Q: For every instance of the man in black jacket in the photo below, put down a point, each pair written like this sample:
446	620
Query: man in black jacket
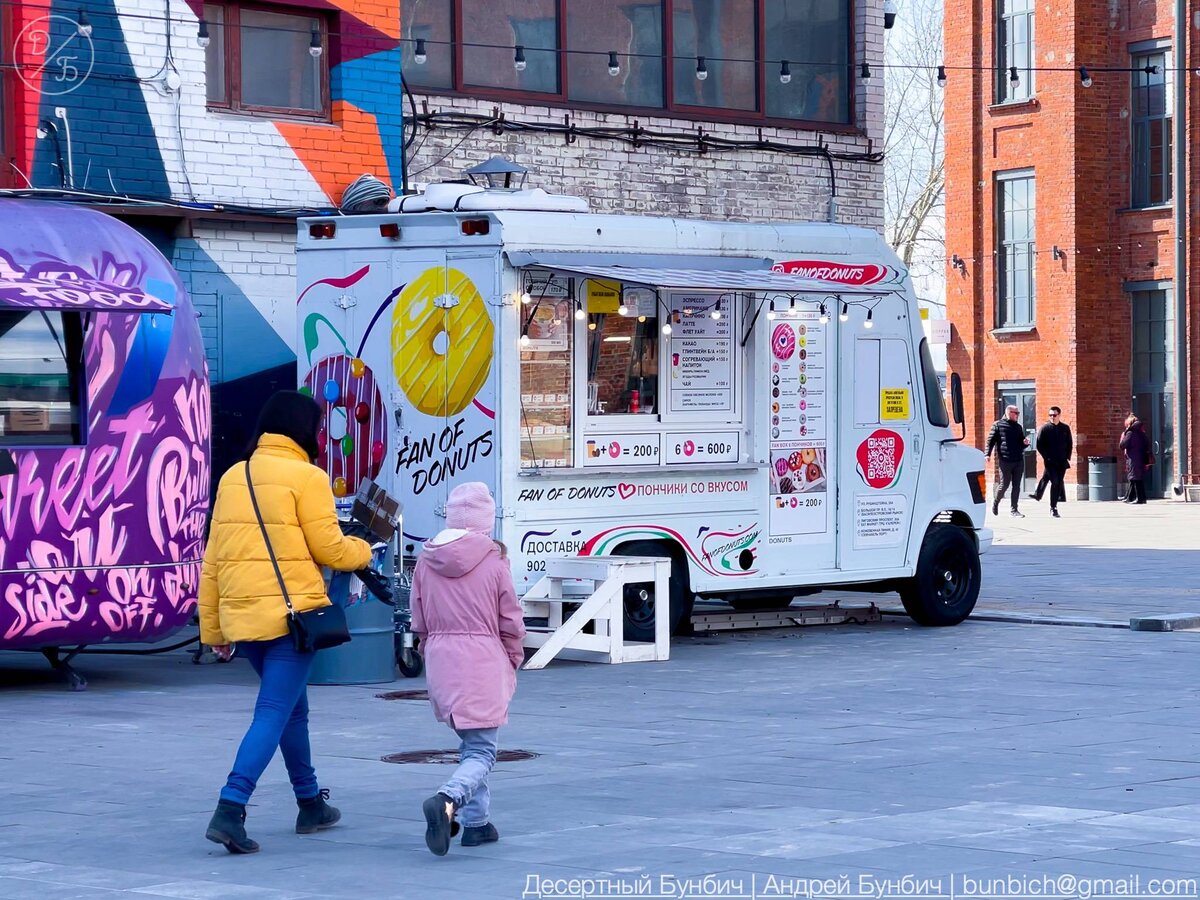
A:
1008	439
1054	445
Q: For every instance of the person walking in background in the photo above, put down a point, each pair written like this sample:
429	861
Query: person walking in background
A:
241	600
1054	445
466	614
1008	439
1137	459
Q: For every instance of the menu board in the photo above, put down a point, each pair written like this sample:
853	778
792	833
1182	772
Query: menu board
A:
799	424
701	354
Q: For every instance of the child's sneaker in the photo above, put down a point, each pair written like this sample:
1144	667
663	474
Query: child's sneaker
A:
474	835
439	821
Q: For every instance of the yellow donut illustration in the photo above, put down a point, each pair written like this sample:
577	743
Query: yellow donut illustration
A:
442	357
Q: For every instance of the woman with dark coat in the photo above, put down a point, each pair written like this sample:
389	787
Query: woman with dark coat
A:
1137	454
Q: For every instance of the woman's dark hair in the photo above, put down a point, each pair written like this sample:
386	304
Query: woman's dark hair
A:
293	415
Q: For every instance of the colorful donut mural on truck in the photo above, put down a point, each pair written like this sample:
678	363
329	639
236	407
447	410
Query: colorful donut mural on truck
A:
104	433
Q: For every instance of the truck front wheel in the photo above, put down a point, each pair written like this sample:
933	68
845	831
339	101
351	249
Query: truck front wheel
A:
946	585
640	602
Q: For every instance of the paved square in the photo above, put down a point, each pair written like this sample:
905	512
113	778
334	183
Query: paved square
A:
984	751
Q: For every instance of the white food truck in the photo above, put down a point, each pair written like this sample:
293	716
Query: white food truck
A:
754	401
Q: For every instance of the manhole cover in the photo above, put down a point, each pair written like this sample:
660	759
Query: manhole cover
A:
450	757
403	695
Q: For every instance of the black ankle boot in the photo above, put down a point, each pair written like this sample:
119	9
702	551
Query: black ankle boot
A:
316	814
228	827
474	835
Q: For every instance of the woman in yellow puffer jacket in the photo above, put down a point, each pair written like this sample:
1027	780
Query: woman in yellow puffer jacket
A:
241	602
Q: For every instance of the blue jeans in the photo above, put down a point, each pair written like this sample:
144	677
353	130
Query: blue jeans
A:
280	720
468	786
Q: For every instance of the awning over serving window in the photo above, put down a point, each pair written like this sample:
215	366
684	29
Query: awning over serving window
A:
565	260
715	280
47	289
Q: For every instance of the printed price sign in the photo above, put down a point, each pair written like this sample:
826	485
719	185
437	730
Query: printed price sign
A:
692	448
606	450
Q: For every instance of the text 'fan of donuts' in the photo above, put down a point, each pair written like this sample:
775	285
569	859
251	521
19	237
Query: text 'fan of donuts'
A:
442	356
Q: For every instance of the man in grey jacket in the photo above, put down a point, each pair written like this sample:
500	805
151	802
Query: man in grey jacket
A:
1008	439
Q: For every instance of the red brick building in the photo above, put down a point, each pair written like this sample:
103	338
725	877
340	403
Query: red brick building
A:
1060	211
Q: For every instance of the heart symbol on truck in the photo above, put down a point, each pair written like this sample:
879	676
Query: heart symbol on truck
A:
626	490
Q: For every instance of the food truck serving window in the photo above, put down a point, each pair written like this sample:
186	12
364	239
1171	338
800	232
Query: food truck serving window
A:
41	374
616	374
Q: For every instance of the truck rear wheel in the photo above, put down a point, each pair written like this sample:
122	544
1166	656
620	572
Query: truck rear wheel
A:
946	586
640	601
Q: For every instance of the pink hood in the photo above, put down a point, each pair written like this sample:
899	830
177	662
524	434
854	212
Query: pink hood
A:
457	556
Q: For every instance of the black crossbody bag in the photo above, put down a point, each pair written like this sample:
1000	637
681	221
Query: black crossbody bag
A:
316	629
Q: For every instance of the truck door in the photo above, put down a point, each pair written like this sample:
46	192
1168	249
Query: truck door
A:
882	442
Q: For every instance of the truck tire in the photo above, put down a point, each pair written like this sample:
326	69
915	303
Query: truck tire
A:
640	600
946	586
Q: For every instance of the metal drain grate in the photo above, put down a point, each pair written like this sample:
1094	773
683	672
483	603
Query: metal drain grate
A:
403	695
450	757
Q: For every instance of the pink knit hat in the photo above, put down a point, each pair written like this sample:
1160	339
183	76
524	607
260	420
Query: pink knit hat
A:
471	506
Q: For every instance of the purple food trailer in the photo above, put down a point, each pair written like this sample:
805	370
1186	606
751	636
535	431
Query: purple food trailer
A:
104	435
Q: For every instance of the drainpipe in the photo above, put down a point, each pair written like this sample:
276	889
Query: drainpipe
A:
1179	126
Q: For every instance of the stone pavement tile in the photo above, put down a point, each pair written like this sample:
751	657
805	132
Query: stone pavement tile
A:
22	889
1051	840
1172	858
790	843
1189	812
81	876
925	860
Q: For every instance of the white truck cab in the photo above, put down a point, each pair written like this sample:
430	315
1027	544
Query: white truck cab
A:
754	401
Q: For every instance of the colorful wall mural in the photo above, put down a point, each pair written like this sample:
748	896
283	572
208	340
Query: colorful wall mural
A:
101	536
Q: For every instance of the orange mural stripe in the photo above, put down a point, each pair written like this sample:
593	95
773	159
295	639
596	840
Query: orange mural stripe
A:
337	154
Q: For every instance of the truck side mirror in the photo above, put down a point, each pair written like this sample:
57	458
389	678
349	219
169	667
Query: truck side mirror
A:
956	398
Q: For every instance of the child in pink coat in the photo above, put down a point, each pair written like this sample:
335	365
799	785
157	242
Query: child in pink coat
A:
466	613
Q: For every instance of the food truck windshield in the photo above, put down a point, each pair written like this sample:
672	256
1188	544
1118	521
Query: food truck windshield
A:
609	368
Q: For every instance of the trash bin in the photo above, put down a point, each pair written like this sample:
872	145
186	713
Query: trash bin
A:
1102	478
369	657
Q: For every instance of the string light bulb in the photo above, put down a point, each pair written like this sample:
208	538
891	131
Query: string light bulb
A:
526	299
83	24
941	76
771	312
716	314
614	64
622	310
591	326
203	39
844	315
701	68
1085	77
865	72
1013	77
314	45
524	340
580	315
824	317
666	329
867	323
519	58
785	72
420	57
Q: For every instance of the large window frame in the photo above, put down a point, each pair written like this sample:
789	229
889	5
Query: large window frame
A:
1016	42
226	36
69	333
767	73
1150	128
1016	243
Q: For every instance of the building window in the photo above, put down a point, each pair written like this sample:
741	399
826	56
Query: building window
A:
1151	130
258	60
1015	238
1153	339
41	376
567	49
1014	35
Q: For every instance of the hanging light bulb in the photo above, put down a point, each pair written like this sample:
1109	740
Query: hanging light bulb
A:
526	299
314	45
83	24
524	340
824	317
667	328
420	57
865	72
1085	77
792	306
716	314
580	315
785	72
622	310
867	323
519	58
701	69
591	326
1013	78
771	311
202	37
941	76
641	318
844	315
614	64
